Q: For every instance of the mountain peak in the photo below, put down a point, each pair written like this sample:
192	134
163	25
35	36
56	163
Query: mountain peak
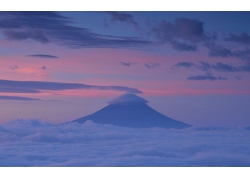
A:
127	99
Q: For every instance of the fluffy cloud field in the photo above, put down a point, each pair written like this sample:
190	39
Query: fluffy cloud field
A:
38	143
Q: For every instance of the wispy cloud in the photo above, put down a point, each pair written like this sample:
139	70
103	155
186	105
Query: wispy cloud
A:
217	51
205	66
26	33
123	17
43	67
220	51
127	63
43	56
238	77
207	76
183	64
46	27
38	87
183	46
17	90
18	98
243	38
13	67
151	65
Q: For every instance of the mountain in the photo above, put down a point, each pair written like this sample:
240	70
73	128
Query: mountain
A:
129	110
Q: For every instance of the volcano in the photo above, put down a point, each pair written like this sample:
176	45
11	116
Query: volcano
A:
130	110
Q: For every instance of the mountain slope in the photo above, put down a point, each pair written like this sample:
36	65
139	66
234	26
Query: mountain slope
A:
131	112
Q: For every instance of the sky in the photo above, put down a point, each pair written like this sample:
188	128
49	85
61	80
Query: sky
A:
191	66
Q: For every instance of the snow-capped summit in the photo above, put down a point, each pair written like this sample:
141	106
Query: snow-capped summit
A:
127	99
129	110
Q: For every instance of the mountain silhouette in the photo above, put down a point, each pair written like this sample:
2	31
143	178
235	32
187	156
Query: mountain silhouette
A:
129	110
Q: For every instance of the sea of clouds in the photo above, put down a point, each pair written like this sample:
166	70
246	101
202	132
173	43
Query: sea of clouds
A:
38	143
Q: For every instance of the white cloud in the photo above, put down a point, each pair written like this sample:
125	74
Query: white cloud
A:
37	143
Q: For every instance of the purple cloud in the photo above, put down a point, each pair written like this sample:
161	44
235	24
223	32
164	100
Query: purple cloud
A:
127	63
219	51
26	33
45	27
205	66
183	34
243	38
123	17
208	76
183	64
17	98
43	67
183	46
13	67
43	56
38	86
151	65
17	89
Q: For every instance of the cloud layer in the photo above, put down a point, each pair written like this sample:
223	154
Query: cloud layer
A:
37	143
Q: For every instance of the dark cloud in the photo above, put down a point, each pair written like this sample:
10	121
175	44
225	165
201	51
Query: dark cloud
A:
184	64
238	77
151	65
126	63
47	27
43	67
189	31
17	98
7	89
243	38
208	76
13	67
123	17
219	51
245	68
43	56
225	67
183	46
205	66
37	86
26	33
242	54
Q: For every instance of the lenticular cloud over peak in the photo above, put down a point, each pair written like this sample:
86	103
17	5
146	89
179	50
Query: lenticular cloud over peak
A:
127	99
